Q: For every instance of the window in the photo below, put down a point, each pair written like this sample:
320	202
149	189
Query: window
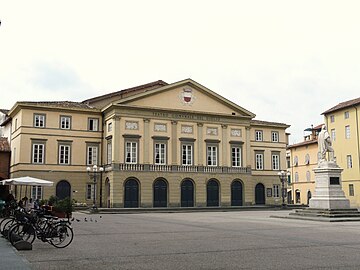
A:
259	161
90	191
351	190
307	159
297	196
258	135
276	192
160	153
93	124
333	135
346	115
275	136
211	156
296	160
16	124
308	176
275	162
109	152
236	156
65	122
64	154
36	192
347	132
38	153
39	120
109	127
131	152
187	154
332	118
296	177
92	155
349	161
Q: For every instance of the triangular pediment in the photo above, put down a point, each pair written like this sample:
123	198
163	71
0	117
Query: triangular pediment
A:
186	95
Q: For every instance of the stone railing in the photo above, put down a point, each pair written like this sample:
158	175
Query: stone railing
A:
176	168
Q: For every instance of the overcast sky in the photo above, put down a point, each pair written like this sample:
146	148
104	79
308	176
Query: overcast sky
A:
286	61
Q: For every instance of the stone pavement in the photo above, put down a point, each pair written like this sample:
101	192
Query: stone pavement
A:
10	258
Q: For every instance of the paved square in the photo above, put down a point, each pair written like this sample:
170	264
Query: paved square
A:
202	240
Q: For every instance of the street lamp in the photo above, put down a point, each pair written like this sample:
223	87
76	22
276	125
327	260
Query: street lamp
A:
93	172
283	178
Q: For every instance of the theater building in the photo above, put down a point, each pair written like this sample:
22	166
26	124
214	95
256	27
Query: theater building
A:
161	145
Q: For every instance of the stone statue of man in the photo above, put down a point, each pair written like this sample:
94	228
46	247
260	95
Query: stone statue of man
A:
324	145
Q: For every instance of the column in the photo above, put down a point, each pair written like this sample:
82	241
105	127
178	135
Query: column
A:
200	144
248	147
174	142
225	143
147	144
116	140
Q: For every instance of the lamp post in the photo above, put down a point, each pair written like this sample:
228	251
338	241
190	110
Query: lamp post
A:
283	178
93	172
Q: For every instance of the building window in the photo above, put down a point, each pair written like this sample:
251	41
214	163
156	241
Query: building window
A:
275	136
65	122
36	192
109	129
38	153
109	151
16	122
346	115
236	156
93	124
90	191
276	192
92	155
259	161
296	177
64	154
351	190
307	159
160	153
39	120
296	161
187	154
131	149
275	162
332	118
211	156
333	135
297	196
308	176
349	161
258	135
347	132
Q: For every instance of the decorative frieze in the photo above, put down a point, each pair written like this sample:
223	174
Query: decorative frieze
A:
212	131
236	132
160	127
187	129
131	125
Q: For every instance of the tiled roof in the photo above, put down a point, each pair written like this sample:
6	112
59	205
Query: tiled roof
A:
343	105
4	111
156	84
302	143
4	145
260	122
58	104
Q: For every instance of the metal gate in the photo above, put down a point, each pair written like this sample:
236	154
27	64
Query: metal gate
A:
212	193
131	199
236	194
259	194
160	193
187	193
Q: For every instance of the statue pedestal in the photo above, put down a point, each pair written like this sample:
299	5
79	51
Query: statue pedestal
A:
328	191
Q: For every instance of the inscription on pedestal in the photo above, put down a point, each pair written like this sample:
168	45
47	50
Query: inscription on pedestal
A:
334	180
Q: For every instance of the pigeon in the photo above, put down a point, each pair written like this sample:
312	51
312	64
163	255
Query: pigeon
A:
91	220
100	216
77	220
85	219
73	219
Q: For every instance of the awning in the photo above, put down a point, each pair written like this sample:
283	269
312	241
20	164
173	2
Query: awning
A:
27	181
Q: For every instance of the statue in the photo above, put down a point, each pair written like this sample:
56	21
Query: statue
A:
324	146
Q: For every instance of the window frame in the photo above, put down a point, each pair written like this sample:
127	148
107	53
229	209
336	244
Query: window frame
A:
37	189
276	191
351	190
259	136
212	155
64	145
346	115
236	159
347	132
109	151
188	145
90	192
94	128
161	158
349	163
63	119
275	161
259	160
333	134
34	145
92	146
37	123
275	136
136	152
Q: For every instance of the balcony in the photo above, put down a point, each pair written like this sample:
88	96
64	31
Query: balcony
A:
177	168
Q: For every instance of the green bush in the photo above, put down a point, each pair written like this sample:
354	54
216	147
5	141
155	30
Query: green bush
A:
64	205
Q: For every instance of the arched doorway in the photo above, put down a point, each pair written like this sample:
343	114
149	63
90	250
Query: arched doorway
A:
160	193
259	194
308	196
236	193
63	189
297	196
212	192
131	196
107	192
187	193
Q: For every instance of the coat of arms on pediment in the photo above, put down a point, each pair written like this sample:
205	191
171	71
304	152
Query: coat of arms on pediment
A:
187	96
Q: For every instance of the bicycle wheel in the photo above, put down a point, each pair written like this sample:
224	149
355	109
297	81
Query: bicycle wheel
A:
6	227
3	222
61	236
22	231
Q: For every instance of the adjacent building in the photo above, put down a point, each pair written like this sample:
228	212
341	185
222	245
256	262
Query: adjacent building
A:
161	145
342	122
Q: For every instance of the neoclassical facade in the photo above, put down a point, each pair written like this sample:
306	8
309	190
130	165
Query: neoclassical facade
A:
161	145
